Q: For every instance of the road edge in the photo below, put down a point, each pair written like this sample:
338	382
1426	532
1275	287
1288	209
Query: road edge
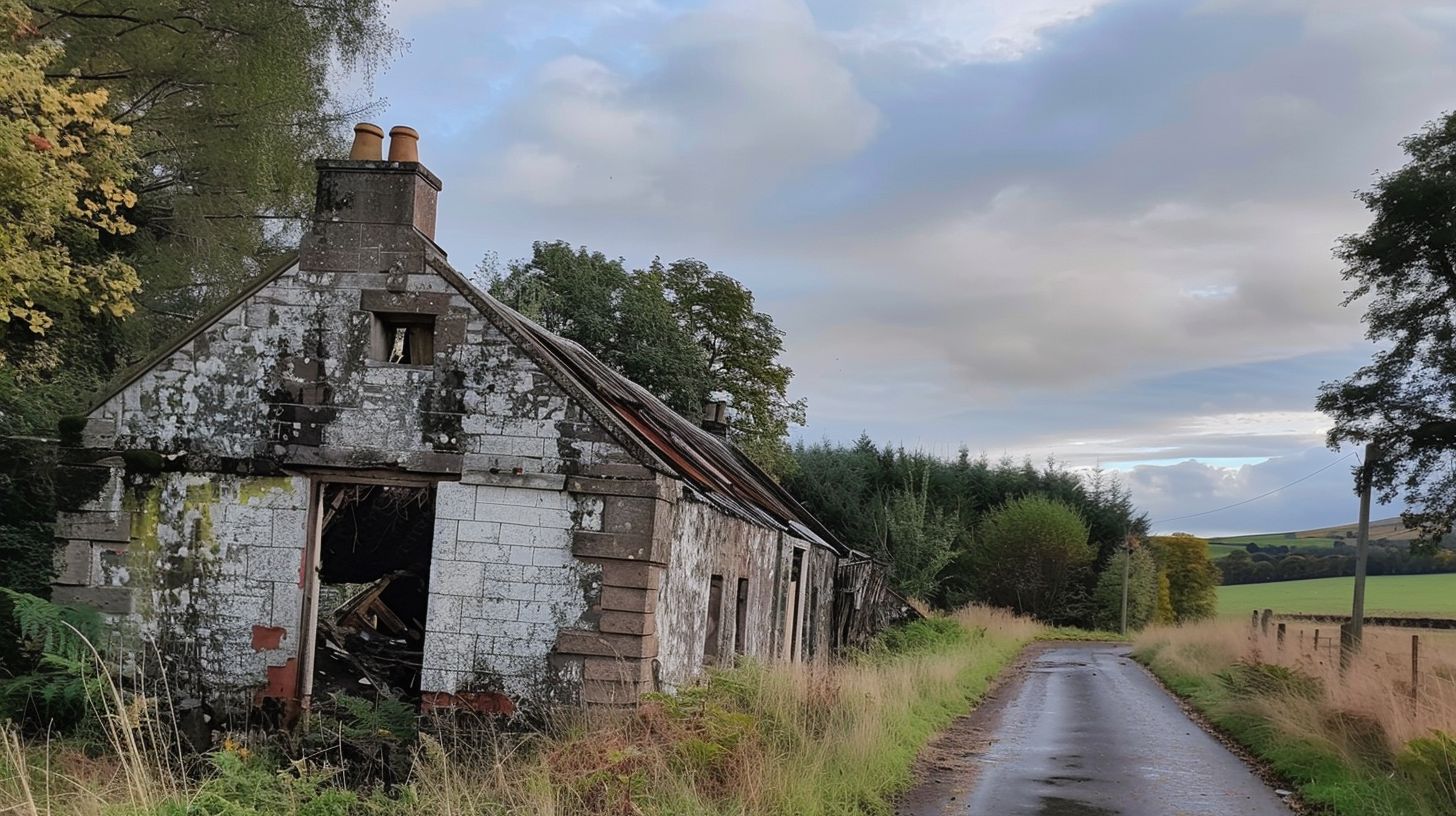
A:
1257	764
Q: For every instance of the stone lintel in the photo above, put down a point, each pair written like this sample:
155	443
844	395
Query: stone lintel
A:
532	481
658	488
431	303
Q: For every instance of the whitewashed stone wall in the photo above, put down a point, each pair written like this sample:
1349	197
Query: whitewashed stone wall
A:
210	571
503	583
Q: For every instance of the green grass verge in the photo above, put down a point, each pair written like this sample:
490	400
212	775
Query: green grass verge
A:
1322	776
1433	595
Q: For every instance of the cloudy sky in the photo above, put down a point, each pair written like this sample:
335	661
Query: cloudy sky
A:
1096	229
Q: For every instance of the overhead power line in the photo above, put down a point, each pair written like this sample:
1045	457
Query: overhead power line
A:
1260	496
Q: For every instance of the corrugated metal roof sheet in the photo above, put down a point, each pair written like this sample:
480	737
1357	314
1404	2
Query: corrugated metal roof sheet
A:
720	472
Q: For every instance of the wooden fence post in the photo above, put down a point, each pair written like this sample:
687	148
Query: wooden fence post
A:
1415	669
1316	641
1280	636
1264	619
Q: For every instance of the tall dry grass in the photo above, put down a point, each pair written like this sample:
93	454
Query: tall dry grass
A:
142	768
1375	687
777	739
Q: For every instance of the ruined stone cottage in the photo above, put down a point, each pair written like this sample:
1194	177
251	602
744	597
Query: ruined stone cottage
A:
361	473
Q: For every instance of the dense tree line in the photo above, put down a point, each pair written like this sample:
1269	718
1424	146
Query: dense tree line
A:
1257	564
1044	540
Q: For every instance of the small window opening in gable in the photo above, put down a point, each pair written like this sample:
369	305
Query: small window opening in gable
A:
715	611
402	339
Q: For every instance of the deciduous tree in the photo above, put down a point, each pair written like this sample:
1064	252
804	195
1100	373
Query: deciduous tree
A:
1192	577
1403	267
1032	554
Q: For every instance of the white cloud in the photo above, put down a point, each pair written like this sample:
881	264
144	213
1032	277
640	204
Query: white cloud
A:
946	33
739	98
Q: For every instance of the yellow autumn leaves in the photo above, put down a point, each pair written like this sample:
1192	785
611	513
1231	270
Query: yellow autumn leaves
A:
64	169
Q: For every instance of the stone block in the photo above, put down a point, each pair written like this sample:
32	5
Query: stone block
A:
73	564
109	600
619	546
632	574
628	599
629	514
604	644
454	501
628	623
617	670
487	532
612	692
95	526
455	578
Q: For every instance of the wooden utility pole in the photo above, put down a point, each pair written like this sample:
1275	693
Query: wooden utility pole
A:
1362	549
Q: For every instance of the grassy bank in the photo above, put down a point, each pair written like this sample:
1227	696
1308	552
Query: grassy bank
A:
1433	595
1354	743
774	740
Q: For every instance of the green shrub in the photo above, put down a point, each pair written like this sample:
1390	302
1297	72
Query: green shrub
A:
920	636
253	786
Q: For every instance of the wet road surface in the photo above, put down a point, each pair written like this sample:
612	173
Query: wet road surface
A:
1086	732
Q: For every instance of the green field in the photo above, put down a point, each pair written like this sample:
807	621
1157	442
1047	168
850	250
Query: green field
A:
1433	595
1219	547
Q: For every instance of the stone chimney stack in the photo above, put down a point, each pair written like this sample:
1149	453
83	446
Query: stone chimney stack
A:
366	202
715	418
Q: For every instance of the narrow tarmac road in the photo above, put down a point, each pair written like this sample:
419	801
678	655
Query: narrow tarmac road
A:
1084	731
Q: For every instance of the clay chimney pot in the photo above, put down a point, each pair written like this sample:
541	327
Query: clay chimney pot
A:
404	144
368	142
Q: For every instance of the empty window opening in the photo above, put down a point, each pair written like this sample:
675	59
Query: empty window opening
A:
740	618
403	339
794	621
715	611
373	588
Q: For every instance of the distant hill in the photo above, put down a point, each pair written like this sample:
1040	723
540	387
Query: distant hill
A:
1325	552
1389	530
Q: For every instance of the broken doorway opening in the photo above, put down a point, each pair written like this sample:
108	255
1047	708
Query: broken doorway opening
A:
372	590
